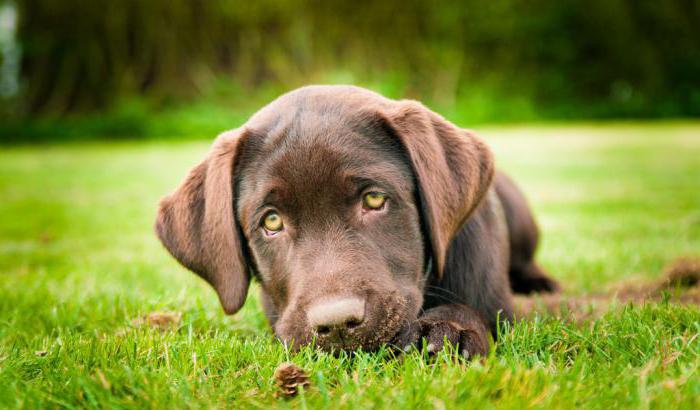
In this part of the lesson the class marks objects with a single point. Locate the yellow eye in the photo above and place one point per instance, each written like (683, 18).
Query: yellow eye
(273, 222)
(373, 200)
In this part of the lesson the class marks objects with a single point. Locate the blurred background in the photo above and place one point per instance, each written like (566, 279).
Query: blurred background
(592, 106)
(75, 69)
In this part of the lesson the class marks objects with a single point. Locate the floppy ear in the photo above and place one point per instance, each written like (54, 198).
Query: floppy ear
(196, 223)
(453, 167)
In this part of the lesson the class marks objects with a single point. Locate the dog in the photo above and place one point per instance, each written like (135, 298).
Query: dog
(366, 221)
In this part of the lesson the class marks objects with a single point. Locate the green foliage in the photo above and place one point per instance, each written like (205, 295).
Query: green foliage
(79, 262)
(506, 60)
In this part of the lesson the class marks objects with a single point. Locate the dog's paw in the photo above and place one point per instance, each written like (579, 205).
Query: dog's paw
(543, 284)
(436, 332)
(532, 279)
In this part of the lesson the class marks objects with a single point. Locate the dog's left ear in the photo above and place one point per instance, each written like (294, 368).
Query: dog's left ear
(453, 167)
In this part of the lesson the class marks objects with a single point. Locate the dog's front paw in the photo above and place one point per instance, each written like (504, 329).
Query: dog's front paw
(436, 332)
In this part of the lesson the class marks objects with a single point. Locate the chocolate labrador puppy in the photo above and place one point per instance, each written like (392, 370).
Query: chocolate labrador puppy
(365, 220)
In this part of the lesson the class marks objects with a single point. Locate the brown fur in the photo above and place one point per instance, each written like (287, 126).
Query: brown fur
(434, 261)
(196, 224)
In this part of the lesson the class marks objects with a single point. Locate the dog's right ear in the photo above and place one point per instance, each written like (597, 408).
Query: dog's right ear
(196, 223)
(452, 166)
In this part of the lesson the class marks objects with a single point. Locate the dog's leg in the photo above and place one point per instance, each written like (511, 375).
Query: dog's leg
(459, 325)
(473, 294)
(525, 275)
(476, 272)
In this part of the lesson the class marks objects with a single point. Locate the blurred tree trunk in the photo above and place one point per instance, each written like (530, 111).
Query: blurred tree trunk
(82, 55)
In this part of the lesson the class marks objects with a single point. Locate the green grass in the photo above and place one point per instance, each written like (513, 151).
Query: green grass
(79, 262)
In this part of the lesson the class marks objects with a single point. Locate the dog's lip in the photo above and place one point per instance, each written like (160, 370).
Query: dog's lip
(394, 341)
(346, 346)
(352, 346)
(394, 335)
(388, 315)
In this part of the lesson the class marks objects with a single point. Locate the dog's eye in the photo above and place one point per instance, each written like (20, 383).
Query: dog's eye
(273, 222)
(373, 200)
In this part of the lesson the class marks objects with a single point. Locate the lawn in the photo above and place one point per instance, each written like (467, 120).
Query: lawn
(80, 265)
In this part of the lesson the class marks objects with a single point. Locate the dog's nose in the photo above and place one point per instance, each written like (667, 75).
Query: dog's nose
(335, 318)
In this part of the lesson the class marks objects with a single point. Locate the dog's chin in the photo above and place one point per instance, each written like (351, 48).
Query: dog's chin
(368, 342)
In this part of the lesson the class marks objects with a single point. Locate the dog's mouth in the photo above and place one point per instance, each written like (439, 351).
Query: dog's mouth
(386, 318)
(386, 322)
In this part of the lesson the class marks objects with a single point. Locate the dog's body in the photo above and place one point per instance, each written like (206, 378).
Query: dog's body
(492, 256)
(366, 221)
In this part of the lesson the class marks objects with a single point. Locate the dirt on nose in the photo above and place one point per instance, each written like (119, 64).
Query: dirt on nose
(385, 315)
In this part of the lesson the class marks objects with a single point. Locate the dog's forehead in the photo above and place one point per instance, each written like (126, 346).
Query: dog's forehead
(319, 153)
(327, 100)
(317, 150)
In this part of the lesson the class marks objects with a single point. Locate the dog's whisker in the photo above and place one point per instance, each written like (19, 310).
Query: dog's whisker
(453, 295)
(447, 295)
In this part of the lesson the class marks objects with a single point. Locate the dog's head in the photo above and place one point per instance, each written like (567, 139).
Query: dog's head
(339, 201)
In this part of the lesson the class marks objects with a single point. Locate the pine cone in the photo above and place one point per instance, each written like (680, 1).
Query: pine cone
(290, 377)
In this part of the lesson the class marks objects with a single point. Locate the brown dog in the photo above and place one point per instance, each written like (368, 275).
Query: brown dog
(365, 220)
